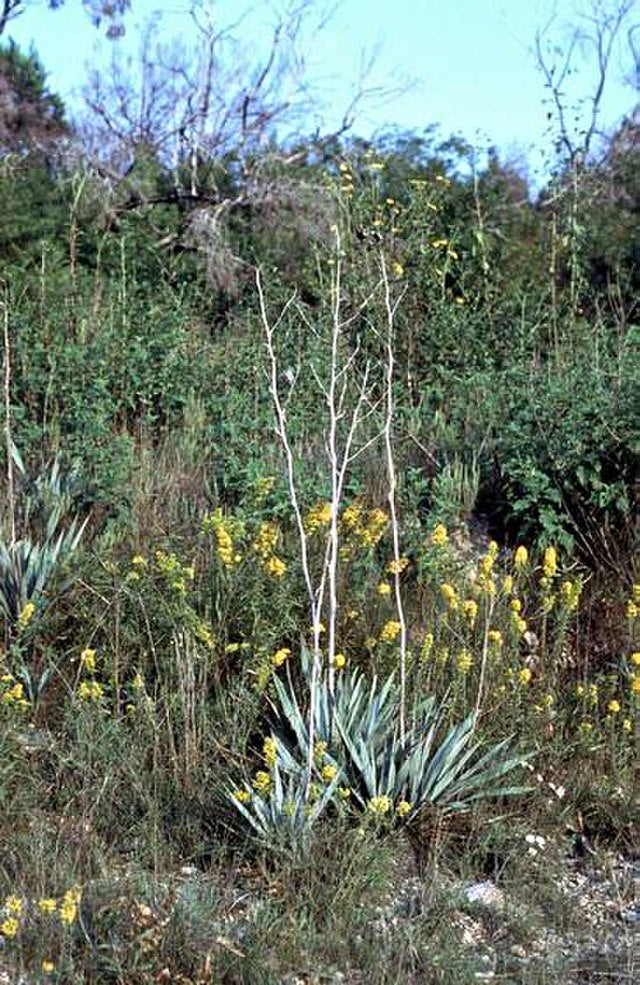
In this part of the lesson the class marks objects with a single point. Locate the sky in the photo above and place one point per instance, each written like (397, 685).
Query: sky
(466, 65)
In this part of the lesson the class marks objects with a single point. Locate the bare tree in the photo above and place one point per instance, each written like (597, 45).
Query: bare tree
(100, 11)
(595, 39)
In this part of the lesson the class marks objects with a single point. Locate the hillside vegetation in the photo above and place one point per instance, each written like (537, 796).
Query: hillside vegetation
(319, 588)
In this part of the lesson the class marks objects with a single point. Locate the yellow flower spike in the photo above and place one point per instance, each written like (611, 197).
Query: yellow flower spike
(344, 793)
(515, 605)
(635, 658)
(261, 781)
(242, 796)
(635, 685)
(47, 967)
(613, 707)
(635, 594)
(439, 537)
(14, 905)
(403, 807)
(328, 772)
(270, 751)
(550, 562)
(470, 610)
(397, 269)
(266, 539)
(379, 805)
(521, 557)
(384, 588)
(281, 656)
(397, 566)
(632, 610)
(9, 927)
(320, 750)
(275, 566)
(26, 615)
(88, 660)
(507, 585)
(449, 594)
(525, 675)
(627, 724)
(494, 637)
(139, 561)
(464, 662)
(389, 631)
(47, 905)
(339, 661)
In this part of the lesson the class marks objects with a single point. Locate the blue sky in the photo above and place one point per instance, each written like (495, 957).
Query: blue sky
(466, 65)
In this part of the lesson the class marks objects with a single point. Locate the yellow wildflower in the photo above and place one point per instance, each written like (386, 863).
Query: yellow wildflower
(470, 610)
(524, 675)
(613, 706)
(635, 684)
(449, 594)
(328, 772)
(261, 781)
(26, 615)
(427, 646)
(403, 807)
(507, 584)
(270, 751)
(494, 637)
(521, 557)
(519, 623)
(88, 659)
(397, 566)
(351, 515)
(275, 566)
(138, 682)
(389, 631)
(281, 656)
(138, 561)
(384, 588)
(464, 662)
(439, 537)
(627, 724)
(635, 658)
(635, 593)
(570, 592)
(47, 967)
(318, 516)
(9, 927)
(632, 610)
(69, 906)
(90, 691)
(13, 904)
(344, 793)
(371, 533)
(266, 539)
(47, 905)
(550, 562)
(380, 805)
(515, 605)
(397, 269)
(339, 661)
(320, 750)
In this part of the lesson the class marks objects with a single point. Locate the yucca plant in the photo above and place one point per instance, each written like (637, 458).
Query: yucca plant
(49, 536)
(359, 725)
(282, 814)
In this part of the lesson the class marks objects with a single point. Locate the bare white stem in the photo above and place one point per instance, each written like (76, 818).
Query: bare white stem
(7, 419)
(390, 308)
